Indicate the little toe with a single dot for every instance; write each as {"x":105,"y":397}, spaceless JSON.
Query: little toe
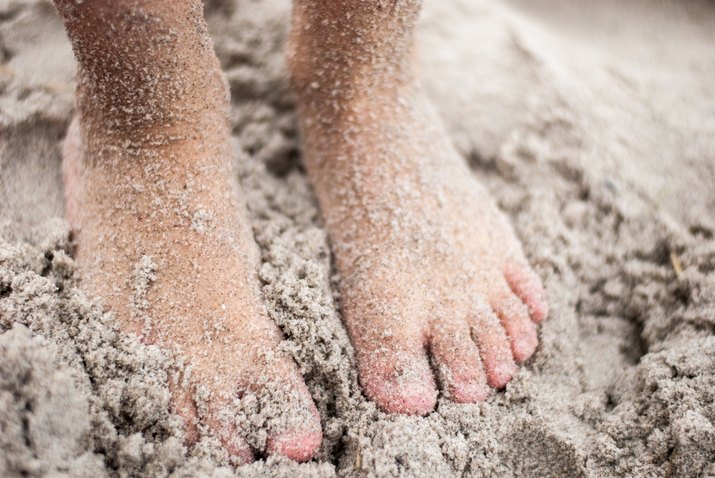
{"x":457,"y":357}
{"x":494,"y":345}
{"x":528,"y":287}
{"x":514,"y":317}
{"x":397,"y":378}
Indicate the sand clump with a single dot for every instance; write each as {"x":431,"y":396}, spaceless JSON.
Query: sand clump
{"x":602,"y":160}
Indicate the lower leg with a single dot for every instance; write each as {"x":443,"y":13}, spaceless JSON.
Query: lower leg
{"x":147,"y":72}
{"x":427,"y":262}
{"x":349,"y":49}
{"x":162,"y":233}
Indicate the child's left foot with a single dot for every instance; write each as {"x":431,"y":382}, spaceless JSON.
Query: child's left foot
{"x":161,"y":231}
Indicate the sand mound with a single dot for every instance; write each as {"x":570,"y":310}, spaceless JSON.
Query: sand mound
{"x":593,"y":127}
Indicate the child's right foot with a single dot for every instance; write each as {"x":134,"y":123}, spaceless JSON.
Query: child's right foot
{"x":430,"y":268}
{"x":162,"y":235}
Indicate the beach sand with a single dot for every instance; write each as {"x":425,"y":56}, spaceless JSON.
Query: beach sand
{"x":592,"y":124}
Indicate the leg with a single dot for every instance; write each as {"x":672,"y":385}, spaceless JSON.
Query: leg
{"x":162,"y":232}
{"x":428,"y":264}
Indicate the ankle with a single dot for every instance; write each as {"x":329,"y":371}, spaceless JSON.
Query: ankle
{"x":348,"y":49}
{"x":144,"y":63}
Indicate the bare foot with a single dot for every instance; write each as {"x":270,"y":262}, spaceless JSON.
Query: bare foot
{"x":430,"y":268}
{"x":163,"y":236}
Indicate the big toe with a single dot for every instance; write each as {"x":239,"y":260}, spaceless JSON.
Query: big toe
{"x":399,"y":381}
{"x":300,"y":445}
{"x":281,"y":405}
{"x":296,"y":433}
{"x":229,"y":435}
{"x":237,"y":448}
{"x":183,"y":404}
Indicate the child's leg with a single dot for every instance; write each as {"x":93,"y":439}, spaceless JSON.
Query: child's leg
{"x":162,"y":234}
{"x":428,"y":264}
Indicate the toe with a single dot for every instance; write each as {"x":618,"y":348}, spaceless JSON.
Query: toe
{"x":183,"y":403}
{"x":396,"y":375}
{"x":494,"y":345}
{"x":514,"y":317}
{"x":274,"y":398}
{"x":298,"y":434}
{"x":299,"y":446}
{"x":219,"y":424}
{"x":387,"y":333}
{"x":403,"y":386}
{"x":237,"y":447}
{"x":528,"y":287}
{"x":457,"y":357}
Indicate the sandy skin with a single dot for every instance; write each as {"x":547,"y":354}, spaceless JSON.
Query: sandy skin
{"x":161,"y":229}
{"x":159,"y":223}
{"x":429,"y":266}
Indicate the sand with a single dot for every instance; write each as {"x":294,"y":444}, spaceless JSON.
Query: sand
{"x":592,"y":123}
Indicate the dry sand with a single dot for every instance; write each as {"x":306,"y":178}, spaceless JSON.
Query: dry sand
{"x":592,"y":123}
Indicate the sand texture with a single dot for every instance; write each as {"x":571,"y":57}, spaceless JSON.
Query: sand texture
{"x":591,"y":123}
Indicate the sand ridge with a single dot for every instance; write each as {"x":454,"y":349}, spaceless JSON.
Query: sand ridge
{"x":600,"y":152}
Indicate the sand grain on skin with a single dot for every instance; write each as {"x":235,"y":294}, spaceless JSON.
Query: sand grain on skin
{"x":595,"y":139}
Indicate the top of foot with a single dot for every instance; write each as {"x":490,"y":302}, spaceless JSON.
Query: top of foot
{"x":431,"y":271}
{"x":170,"y":252}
